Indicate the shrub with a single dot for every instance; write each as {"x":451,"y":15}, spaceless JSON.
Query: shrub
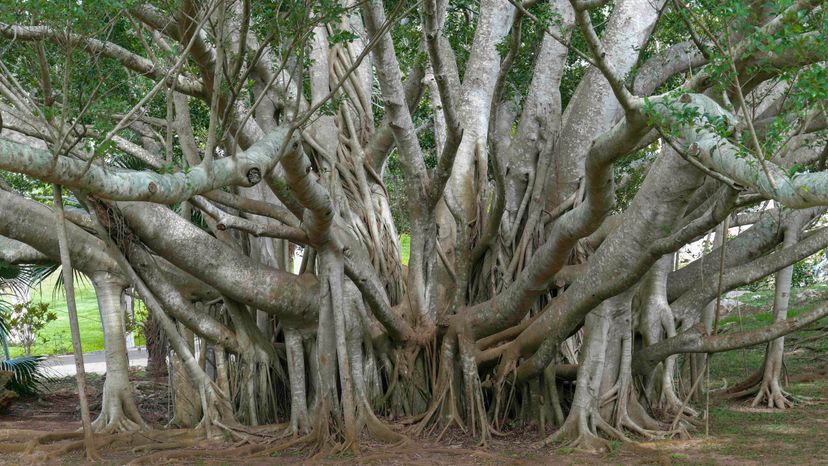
{"x":25,"y":322}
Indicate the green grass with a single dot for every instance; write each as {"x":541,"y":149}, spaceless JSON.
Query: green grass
{"x":732,"y":366}
{"x":55,"y":338}
{"x":405,"y":248}
{"x":780,"y":437}
{"x":740,"y":433}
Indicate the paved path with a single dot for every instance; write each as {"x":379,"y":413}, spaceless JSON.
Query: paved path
{"x":95,"y":363}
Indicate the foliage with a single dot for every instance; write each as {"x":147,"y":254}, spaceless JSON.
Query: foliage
{"x":137,"y":322}
{"x":4,"y":331}
{"x":28,"y":378}
{"x":803,"y":272}
{"x":26,"y":321}
{"x":57,"y":332}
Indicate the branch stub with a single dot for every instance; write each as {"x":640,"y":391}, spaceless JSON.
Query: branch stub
{"x":693,"y":150}
{"x":254,"y":175}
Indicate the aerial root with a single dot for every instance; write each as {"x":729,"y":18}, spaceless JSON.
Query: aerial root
{"x":444,"y":400}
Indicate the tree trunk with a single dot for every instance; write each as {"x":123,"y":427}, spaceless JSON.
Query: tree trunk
{"x":770,"y":389}
{"x":118,"y":409}
{"x":187,"y":409}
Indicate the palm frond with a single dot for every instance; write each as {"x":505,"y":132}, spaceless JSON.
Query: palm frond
{"x":4,"y":329}
{"x":58,"y":289}
{"x":8,"y":271}
{"x":33,"y":275}
{"x":20,"y":278}
{"x":10,"y":277}
{"x":28,"y":379}
{"x":124,"y":160}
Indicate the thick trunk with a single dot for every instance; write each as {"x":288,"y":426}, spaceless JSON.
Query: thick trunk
{"x":580,"y":430}
{"x":118,"y":409}
{"x":525,"y":254}
{"x":657,"y":323}
{"x":156,"y":348}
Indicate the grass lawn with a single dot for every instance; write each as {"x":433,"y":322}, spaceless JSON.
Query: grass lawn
{"x":405,"y":248}
{"x":55,"y":338}
{"x":762,"y":435}
{"x":732,"y":366}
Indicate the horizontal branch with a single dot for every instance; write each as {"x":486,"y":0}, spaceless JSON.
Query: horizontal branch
{"x":126,"y":58}
{"x":33,"y":223}
{"x":749,"y":272}
{"x":15,"y":252}
{"x":244,"y":169}
{"x":268,"y":229}
{"x":176,"y":305}
{"x":718,"y":154}
{"x":695,"y":340}
{"x":295,"y":299}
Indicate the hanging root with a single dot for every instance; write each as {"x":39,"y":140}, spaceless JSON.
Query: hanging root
{"x":445,"y":408}
{"x":442,"y":410}
{"x":475,"y":405}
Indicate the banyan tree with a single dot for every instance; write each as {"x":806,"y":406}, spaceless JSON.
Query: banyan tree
{"x":248,"y":169}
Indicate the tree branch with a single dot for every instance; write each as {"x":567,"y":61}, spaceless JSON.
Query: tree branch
{"x":245,"y":169}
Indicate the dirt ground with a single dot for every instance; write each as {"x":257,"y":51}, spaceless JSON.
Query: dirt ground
{"x":738,"y":435}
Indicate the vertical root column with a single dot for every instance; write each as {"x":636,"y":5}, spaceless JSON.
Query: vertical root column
{"x":119,"y":412}
{"x":475,"y":406}
{"x":296,"y":370}
{"x":770,"y":392}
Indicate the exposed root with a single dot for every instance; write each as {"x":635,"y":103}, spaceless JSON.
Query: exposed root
{"x":116,"y":420}
{"x":573,"y":437}
{"x":378,"y":428}
{"x":53,"y":446}
{"x":772,"y":394}
{"x":51,"y":437}
{"x":41,"y":449}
